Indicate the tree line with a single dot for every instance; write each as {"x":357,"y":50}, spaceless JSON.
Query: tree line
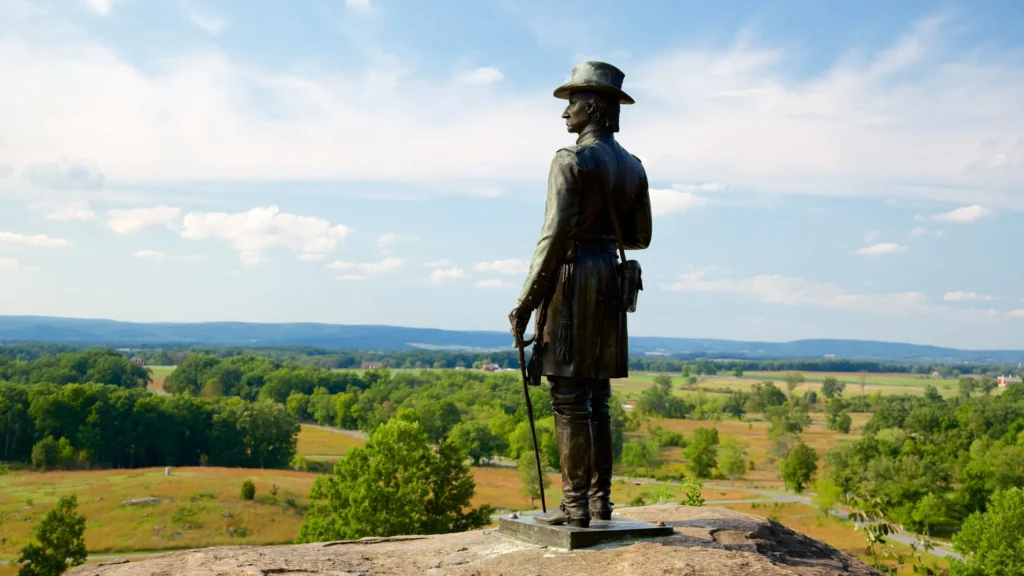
{"x":330,"y":358}
{"x":101,"y":425}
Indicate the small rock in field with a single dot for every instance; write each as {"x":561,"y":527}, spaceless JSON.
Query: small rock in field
{"x":463,"y":549}
{"x":436,"y":564}
{"x":457,"y":561}
{"x":148,"y":501}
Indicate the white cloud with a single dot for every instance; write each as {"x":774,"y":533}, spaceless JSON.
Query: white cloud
{"x":37,"y":241}
{"x":495,"y":283}
{"x":384,"y":266}
{"x":387,"y":240}
{"x":503,"y":266}
{"x":65,"y":174}
{"x":307,"y":257}
{"x":919,"y":231}
{"x":881,"y":248}
{"x":736,"y":114}
{"x":8,"y":264}
{"x":439,"y":263}
{"x":101,"y":7}
{"x":74,"y":210}
{"x":148,"y":254}
{"x":963,"y":215}
{"x":796,"y":291}
{"x":665,"y":202}
{"x":702,"y":187}
{"x":1018,"y":313}
{"x":446,"y":274}
{"x":135,"y":219}
{"x":261,"y":228}
{"x":966,"y":297}
{"x":358,"y":5}
{"x":210,"y":25}
{"x":483,"y":75}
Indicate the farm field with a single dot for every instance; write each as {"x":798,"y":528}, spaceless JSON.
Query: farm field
{"x":318,"y":443}
{"x":638,"y":381}
{"x":754,"y":433}
{"x":160,"y":373}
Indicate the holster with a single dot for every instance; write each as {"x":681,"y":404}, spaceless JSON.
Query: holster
{"x":535,"y":366}
{"x":632,"y":283}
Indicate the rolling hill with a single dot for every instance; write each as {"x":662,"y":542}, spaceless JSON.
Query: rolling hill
{"x":112,"y":333}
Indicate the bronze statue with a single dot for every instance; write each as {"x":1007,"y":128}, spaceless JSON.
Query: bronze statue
{"x":597,"y":192}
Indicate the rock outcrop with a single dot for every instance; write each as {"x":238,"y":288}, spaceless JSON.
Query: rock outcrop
{"x":712,"y":541}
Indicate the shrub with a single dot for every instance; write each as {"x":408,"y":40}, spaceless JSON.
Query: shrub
{"x":248,"y":490}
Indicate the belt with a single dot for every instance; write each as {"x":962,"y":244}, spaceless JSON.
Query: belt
{"x":596,"y":246}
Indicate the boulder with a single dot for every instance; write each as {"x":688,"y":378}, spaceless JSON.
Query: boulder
{"x":706,"y":541}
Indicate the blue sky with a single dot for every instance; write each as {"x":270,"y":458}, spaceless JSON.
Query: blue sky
{"x":818,"y":169}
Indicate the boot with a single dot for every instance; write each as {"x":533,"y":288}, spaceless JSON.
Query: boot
{"x":601,"y":482}
{"x":574,"y":449}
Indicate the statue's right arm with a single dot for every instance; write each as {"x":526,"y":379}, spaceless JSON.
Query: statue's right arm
{"x":560,"y":215}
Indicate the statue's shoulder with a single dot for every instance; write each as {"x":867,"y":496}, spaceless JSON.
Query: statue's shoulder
{"x":637,"y":158}
{"x":572,"y":150}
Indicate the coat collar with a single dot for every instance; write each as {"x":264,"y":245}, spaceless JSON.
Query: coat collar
{"x":592,"y":134}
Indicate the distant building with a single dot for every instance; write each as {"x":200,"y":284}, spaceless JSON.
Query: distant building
{"x":1005,"y":381}
{"x":490,"y":367}
{"x":139,"y":361}
{"x":372,"y":365}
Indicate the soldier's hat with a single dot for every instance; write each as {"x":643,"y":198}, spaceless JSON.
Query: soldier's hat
{"x":595,"y":77}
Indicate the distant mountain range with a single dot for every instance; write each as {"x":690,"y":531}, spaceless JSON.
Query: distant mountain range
{"x":390,"y":338}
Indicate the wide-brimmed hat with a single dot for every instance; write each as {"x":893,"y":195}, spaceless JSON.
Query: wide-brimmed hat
{"x":595,"y":77}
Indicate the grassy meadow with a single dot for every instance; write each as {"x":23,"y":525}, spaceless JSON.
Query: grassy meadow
{"x":198,"y":507}
{"x":883,"y":383}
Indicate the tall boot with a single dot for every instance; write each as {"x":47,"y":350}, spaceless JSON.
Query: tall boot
{"x":575,"y":450}
{"x":601,"y":481}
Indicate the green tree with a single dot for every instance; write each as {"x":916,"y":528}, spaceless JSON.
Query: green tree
{"x":663,"y":380}
{"x":476,"y":440}
{"x":395,"y":484}
{"x":46,"y":454}
{"x":737,"y":371}
{"x":793,"y":379}
{"x":992,"y":542}
{"x":832,"y":388}
{"x":61,"y":541}
{"x":799,"y":467}
{"x":702,"y":452}
{"x":732,"y":458}
{"x":640,"y":455}
{"x":527,"y":466}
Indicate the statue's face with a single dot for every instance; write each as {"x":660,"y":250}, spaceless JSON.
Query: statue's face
{"x":577,"y":113}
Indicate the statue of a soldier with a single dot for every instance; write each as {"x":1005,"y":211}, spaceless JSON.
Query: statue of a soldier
{"x":597,"y":192}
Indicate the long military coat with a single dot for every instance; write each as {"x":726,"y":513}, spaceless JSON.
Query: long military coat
{"x":574,"y":276}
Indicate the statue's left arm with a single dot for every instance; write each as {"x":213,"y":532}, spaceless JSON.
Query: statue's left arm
{"x":636,"y":230}
{"x":560,"y":216}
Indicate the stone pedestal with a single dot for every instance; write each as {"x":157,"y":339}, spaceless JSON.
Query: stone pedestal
{"x":569,"y":538}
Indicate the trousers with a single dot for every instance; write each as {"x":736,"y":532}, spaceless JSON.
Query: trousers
{"x":583,"y":431}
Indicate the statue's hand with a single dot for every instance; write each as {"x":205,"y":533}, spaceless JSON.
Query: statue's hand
{"x":519,"y":317}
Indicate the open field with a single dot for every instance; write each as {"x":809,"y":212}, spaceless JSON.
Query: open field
{"x":754,"y":433}
{"x":160,"y":373}
{"x":198,"y":507}
{"x":884,"y":383}
{"x":319,"y":443}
